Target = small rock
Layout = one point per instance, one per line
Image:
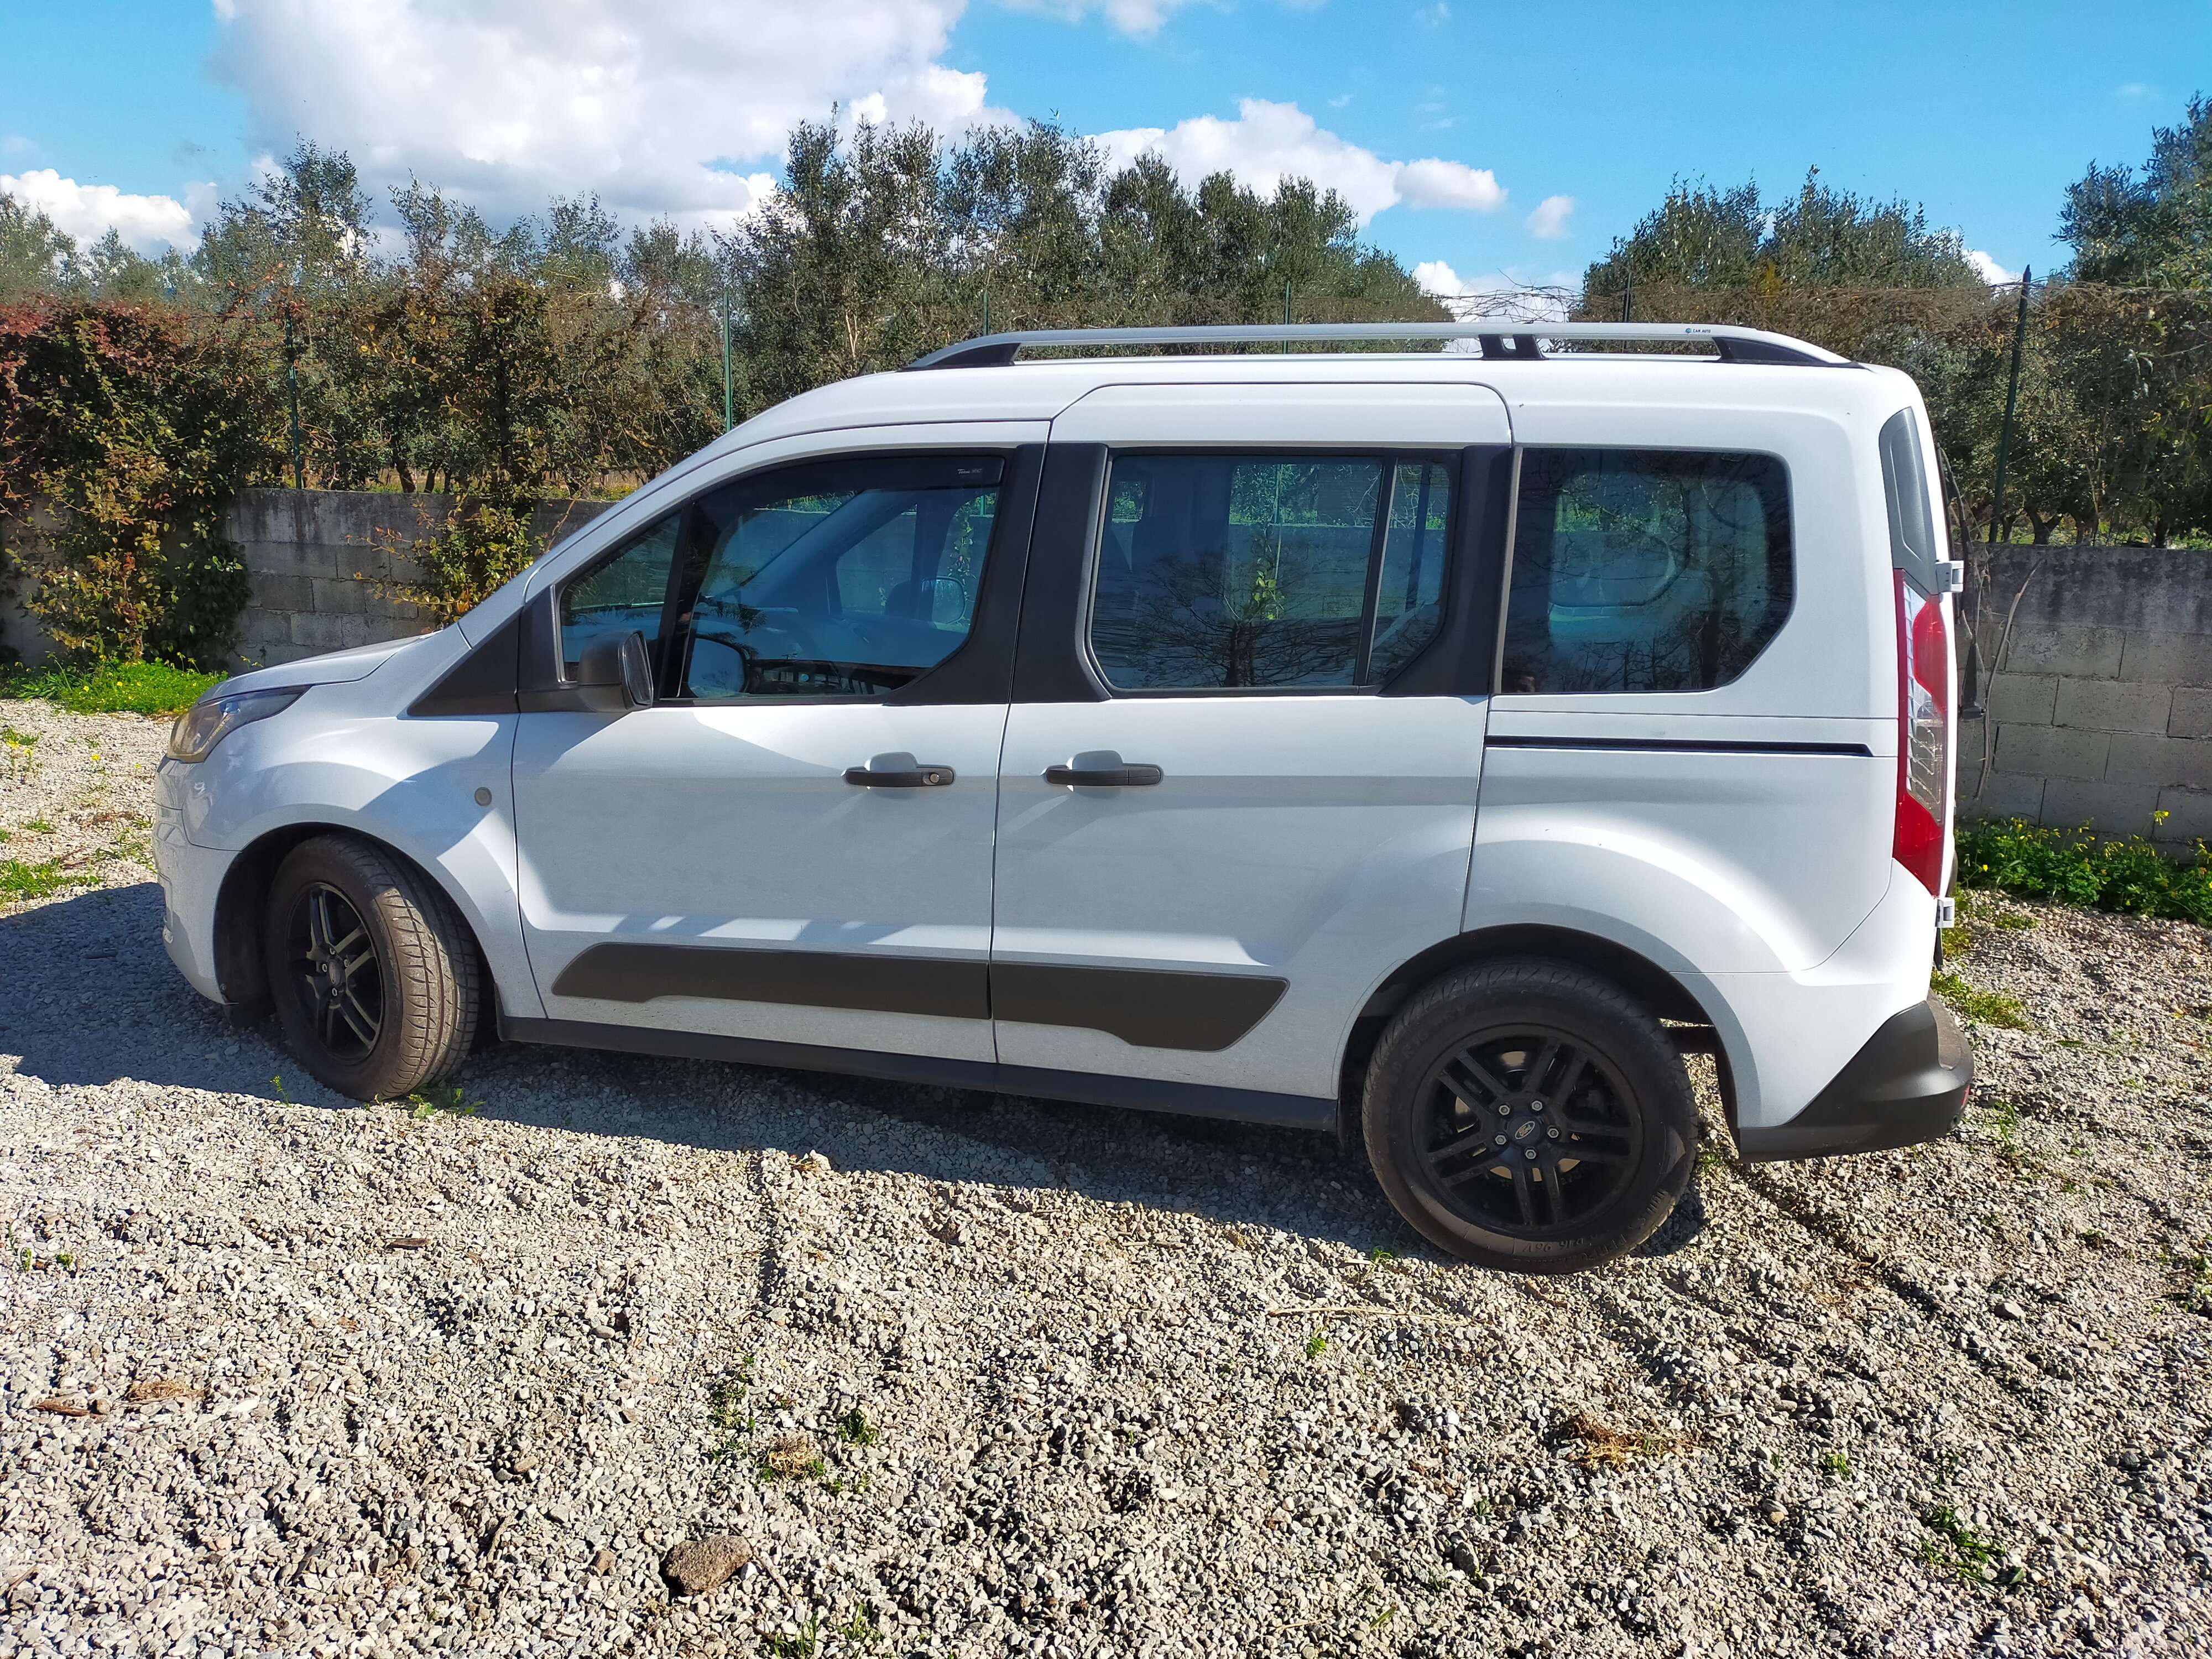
(704, 1564)
(604, 1562)
(814, 1163)
(2012, 1310)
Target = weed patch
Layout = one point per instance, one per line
(1952, 1547)
(116, 688)
(2128, 874)
(1989, 1007)
(20, 880)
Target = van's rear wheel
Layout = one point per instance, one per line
(1529, 1115)
(373, 975)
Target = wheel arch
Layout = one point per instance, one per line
(241, 908)
(1658, 989)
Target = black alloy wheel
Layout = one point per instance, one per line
(1528, 1115)
(335, 974)
(1529, 1132)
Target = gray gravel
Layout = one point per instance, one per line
(965, 1374)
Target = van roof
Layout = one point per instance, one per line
(982, 380)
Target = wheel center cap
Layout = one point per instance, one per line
(1527, 1130)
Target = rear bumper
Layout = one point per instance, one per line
(1907, 1084)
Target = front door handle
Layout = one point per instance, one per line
(913, 777)
(1102, 777)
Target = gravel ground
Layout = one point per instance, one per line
(969, 1375)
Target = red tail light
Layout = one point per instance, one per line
(1923, 744)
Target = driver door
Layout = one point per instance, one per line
(792, 845)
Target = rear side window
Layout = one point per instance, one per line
(1644, 570)
(1220, 573)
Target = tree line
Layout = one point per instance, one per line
(412, 344)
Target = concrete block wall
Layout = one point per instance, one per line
(325, 568)
(2099, 710)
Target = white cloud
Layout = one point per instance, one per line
(1549, 220)
(658, 108)
(1269, 142)
(1992, 272)
(2133, 92)
(1139, 18)
(1434, 184)
(15, 144)
(88, 212)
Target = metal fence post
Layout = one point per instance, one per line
(729, 403)
(2012, 401)
(292, 395)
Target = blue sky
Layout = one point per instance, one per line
(1482, 140)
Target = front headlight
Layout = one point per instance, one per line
(209, 721)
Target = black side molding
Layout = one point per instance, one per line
(1195, 1013)
(1681, 745)
(622, 971)
(1150, 1008)
(1907, 1084)
(1139, 1094)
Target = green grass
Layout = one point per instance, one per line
(1989, 1007)
(20, 880)
(2127, 874)
(1956, 1547)
(120, 688)
(14, 739)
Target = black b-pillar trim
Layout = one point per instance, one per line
(982, 669)
(1461, 660)
(1050, 662)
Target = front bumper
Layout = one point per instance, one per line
(191, 877)
(1906, 1085)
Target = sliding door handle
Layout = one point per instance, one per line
(1102, 777)
(913, 777)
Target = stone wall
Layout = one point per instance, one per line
(327, 565)
(326, 568)
(2098, 705)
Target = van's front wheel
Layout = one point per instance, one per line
(1529, 1115)
(373, 975)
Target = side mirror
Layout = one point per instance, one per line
(615, 673)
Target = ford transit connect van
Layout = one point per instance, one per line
(1433, 748)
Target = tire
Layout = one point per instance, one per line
(1480, 1056)
(378, 1025)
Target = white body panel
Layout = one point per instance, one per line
(734, 826)
(1323, 841)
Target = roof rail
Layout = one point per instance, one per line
(1512, 342)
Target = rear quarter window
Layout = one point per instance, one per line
(1644, 570)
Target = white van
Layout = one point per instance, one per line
(1431, 748)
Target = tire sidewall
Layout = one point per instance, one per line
(369, 1077)
(1395, 1111)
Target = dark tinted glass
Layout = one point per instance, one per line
(620, 594)
(1905, 492)
(845, 581)
(1644, 570)
(1408, 600)
(1232, 572)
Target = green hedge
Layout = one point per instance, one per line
(2128, 874)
